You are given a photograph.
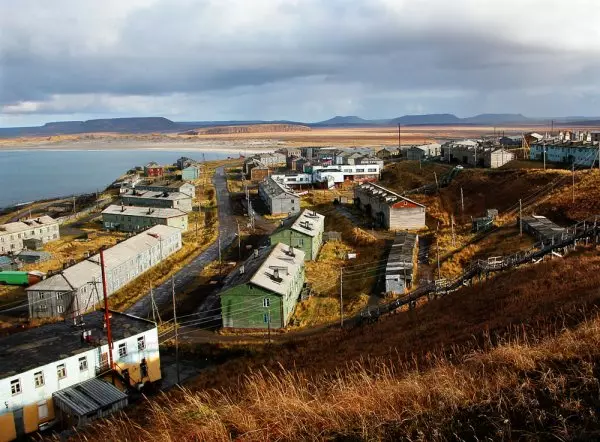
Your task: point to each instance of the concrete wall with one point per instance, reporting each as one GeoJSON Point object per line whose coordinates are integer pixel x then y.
{"type": "Point", "coordinates": [401, 218]}
{"type": "Point", "coordinates": [284, 204]}
{"type": "Point", "coordinates": [33, 400]}
{"type": "Point", "coordinates": [582, 156]}
{"type": "Point", "coordinates": [184, 204]}
{"type": "Point", "coordinates": [136, 223]}
{"type": "Point", "coordinates": [52, 303]}
{"type": "Point", "coordinates": [13, 242]}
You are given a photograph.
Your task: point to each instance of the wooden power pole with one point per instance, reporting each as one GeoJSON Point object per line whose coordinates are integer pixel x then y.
{"type": "Point", "coordinates": [176, 333]}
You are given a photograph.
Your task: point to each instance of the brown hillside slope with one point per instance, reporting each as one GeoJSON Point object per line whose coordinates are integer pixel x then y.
{"type": "Point", "coordinates": [254, 128]}
{"type": "Point", "coordinates": [516, 357]}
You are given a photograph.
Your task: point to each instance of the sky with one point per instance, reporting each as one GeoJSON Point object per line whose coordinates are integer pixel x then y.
{"type": "Point", "coordinates": [300, 60]}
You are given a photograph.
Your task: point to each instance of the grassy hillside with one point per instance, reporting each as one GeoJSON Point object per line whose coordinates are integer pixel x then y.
{"type": "Point", "coordinates": [514, 357]}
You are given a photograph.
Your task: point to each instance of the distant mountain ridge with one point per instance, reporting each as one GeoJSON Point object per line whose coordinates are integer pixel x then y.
{"type": "Point", "coordinates": [161, 124]}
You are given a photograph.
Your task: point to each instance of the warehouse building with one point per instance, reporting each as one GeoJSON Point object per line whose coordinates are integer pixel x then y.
{"type": "Point", "coordinates": [190, 173]}
{"type": "Point", "coordinates": [169, 186]}
{"type": "Point", "coordinates": [305, 232]}
{"type": "Point", "coordinates": [262, 293]}
{"type": "Point", "coordinates": [399, 270]}
{"type": "Point", "coordinates": [476, 154]}
{"type": "Point", "coordinates": [582, 154]}
{"type": "Point", "coordinates": [389, 209]}
{"type": "Point", "coordinates": [78, 288]}
{"type": "Point", "coordinates": [151, 198]}
{"type": "Point", "coordinates": [55, 371]}
{"type": "Point", "coordinates": [12, 235]}
{"type": "Point", "coordinates": [278, 198]}
{"type": "Point", "coordinates": [542, 229]}
{"type": "Point", "coordinates": [423, 151]}
{"type": "Point", "coordinates": [135, 219]}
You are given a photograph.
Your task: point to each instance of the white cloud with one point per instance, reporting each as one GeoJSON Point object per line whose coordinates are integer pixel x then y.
{"type": "Point", "coordinates": [295, 59]}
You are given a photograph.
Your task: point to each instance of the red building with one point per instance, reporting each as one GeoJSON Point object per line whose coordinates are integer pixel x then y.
{"type": "Point", "coordinates": [153, 169]}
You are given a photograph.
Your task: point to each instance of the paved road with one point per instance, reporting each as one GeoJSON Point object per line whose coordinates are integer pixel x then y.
{"type": "Point", "coordinates": [227, 231]}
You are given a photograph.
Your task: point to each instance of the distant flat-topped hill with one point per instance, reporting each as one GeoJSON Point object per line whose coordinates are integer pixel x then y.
{"type": "Point", "coordinates": [254, 128]}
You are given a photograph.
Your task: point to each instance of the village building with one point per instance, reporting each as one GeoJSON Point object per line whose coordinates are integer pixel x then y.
{"type": "Point", "coordinates": [278, 198]}
{"type": "Point", "coordinates": [185, 162]}
{"type": "Point", "coordinates": [153, 169]}
{"type": "Point", "coordinates": [399, 270]}
{"type": "Point", "coordinates": [542, 229]}
{"type": "Point", "coordinates": [388, 153]}
{"type": "Point", "coordinates": [389, 209]}
{"type": "Point", "coordinates": [77, 289]}
{"type": "Point", "coordinates": [423, 151]}
{"type": "Point", "coordinates": [290, 151]}
{"type": "Point", "coordinates": [582, 154]}
{"type": "Point", "coordinates": [170, 186]}
{"type": "Point", "coordinates": [263, 292]}
{"type": "Point", "coordinates": [151, 198]}
{"type": "Point", "coordinates": [190, 173]}
{"type": "Point", "coordinates": [304, 232]}
{"type": "Point", "coordinates": [54, 372]}
{"type": "Point", "coordinates": [135, 219]}
{"type": "Point", "coordinates": [12, 235]}
{"type": "Point", "coordinates": [476, 154]}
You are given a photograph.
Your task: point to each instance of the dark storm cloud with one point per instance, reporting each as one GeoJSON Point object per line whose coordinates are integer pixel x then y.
{"type": "Point", "coordinates": [348, 54]}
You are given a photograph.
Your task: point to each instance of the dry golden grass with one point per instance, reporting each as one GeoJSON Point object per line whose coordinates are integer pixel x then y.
{"type": "Point", "coordinates": [511, 358]}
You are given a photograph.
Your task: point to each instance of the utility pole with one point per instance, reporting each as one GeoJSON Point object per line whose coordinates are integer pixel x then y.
{"type": "Point", "coordinates": [106, 312]}
{"type": "Point", "coordinates": [197, 216]}
{"type": "Point", "coordinates": [462, 201]}
{"type": "Point", "coordinates": [152, 302]}
{"type": "Point", "coordinates": [453, 237]}
{"type": "Point", "coordinates": [239, 241]}
{"type": "Point", "coordinates": [73, 203]}
{"type": "Point", "coordinates": [573, 173]}
{"type": "Point", "coordinates": [342, 295]}
{"type": "Point", "coordinates": [520, 218]}
{"type": "Point", "coordinates": [176, 334]}
{"type": "Point", "coordinates": [544, 147]}
{"type": "Point", "coordinates": [437, 242]}
{"type": "Point", "coordinates": [436, 181]}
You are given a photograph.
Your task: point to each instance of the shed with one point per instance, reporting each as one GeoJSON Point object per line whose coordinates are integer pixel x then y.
{"type": "Point", "coordinates": [400, 263]}
{"type": "Point", "coordinates": [33, 244]}
{"type": "Point", "coordinates": [8, 263]}
{"type": "Point", "coordinates": [33, 257]}
{"type": "Point", "coordinates": [88, 400]}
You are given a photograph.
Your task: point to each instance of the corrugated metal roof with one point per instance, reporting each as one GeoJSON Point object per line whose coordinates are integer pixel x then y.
{"type": "Point", "coordinates": [88, 270]}
{"type": "Point", "coordinates": [309, 222]}
{"type": "Point", "coordinates": [147, 212]}
{"type": "Point", "coordinates": [88, 397]}
{"type": "Point", "coordinates": [274, 188]}
{"type": "Point", "coordinates": [280, 261]}
{"type": "Point", "coordinates": [153, 194]}
{"type": "Point", "coordinates": [390, 196]}
{"type": "Point", "coordinates": [27, 224]}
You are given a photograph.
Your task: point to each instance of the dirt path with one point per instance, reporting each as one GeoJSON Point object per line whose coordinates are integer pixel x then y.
{"type": "Point", "coordinates": [187, 275]}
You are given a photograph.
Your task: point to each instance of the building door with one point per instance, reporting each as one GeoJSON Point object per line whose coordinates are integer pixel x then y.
{"type": "Point", "coordinates": [104, 361]}
{"type": "Point", "coordinates": [19, 423]}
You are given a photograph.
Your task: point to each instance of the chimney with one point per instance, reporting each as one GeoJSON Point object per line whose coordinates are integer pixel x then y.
{"type": "Point", "coordinates": [291, 251]}
{"type": "Point", "coordinates": [256, 253]}
{"type": "Point", "coordinates": [123, 205]}
{"type": "Point", "coordinates": [242, 270]}
{"type": "Point", "coordinates": [276, 274]}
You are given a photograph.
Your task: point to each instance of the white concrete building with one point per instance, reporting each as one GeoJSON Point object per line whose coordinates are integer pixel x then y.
{"type": "Point", "coordinates": [39, 364]}
{"type": "Point", "coordinates": [135, 219]}
{"type": "Point", "coordinates": [78, 288]}
{"type": "Point", "coordinates": [582, 154]}
{"type": "Point", "coordinates": [12, 235]}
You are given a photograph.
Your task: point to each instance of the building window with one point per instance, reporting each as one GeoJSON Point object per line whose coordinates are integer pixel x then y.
{"type": "Point", "coordinates": [42, 410]}
{"type": "Point", "coordinates": [83, 365]}
{"type": "Point", "coordinates": [123, 350]}
{"type": "Point", "coordinates": [38, 378]}
{"type": "Point", "coordinates": [266, 302]}
{"type": "Point", "coordinates": [360, 170]}
{"type": "Point", "coordinates": [371, 170]}
{"type": "Point", "coordinates": [141, 343]}
{"type": "Point", "coordinates": [60, 308]}
{"type": "Point", "coordinates": [40, 296]}
{"type": "Point", "coordinates": [266, 318]}
{"type": "Point", "coordinates": [15, 387]}
{"type": "Point", "coordinates": [61, 371]}
{"type": "Point", "coordinates": [59, 296]}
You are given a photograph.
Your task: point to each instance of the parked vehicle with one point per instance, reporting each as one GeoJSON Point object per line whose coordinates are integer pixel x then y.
{"type": "Point", "coordinates": [10, 277]}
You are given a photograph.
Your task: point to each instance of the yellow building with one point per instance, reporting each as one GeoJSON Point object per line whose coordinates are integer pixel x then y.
{"type": "Point", "coordinates": [55, 371]}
